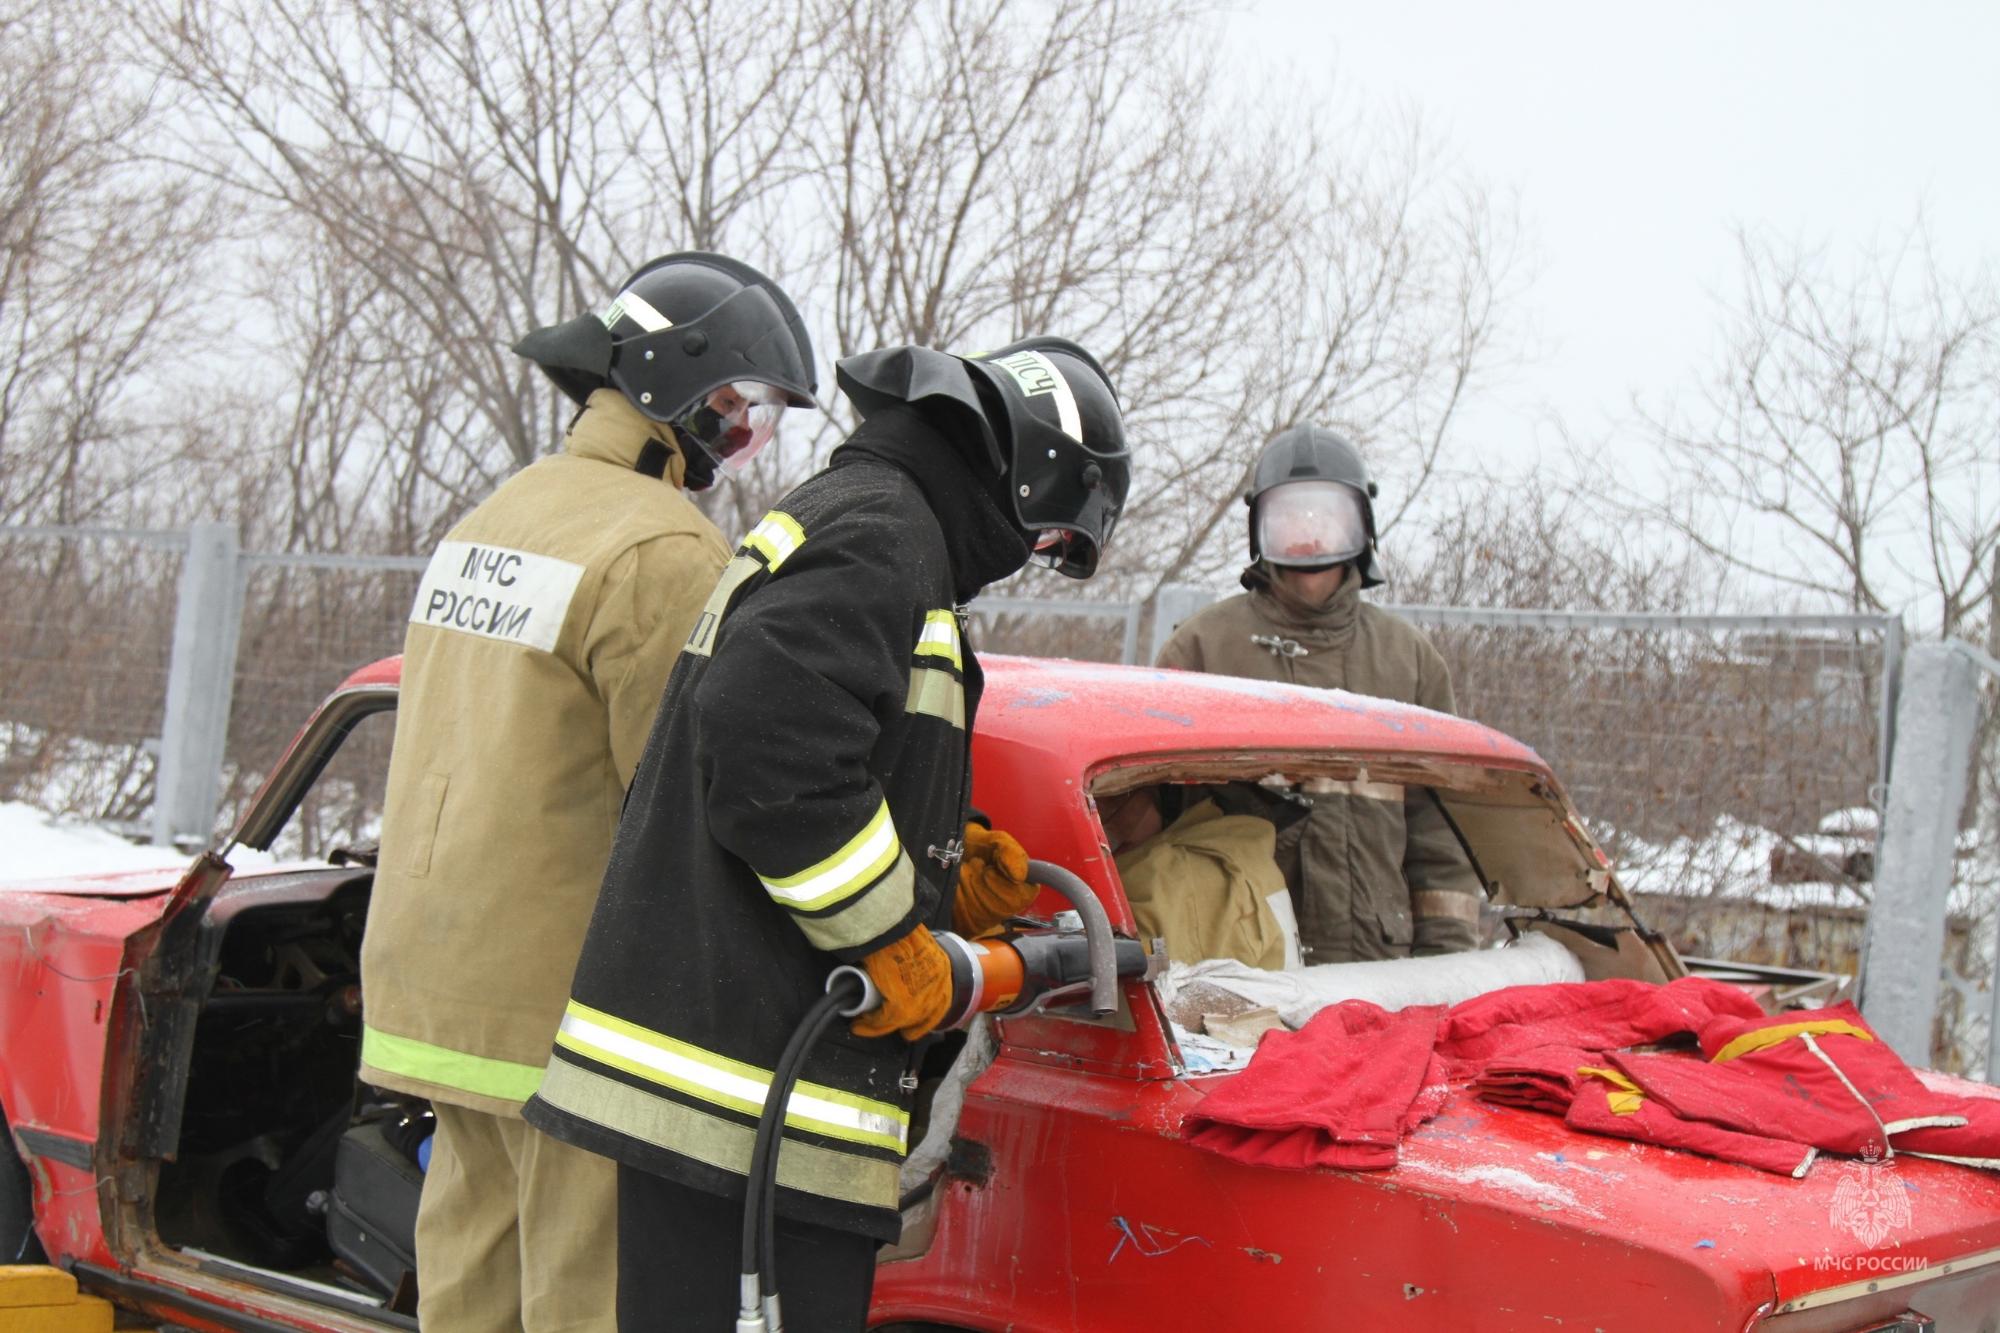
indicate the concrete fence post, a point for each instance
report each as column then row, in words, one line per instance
column 201, row 676
column 1937, row 714
column 1172, row 604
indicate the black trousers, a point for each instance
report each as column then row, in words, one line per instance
column 680, row 1259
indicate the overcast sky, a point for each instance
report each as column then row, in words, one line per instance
column 1637, row 137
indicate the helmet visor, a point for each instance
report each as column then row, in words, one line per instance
column 1072, row 550
column 1305, row 523
column 733, row 422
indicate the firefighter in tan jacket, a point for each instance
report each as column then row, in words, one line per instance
column 539, row 646
column 1206, row 883
column 1375, row 871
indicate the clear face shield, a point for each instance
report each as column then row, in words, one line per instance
column 733, row 422
column 1311, row 523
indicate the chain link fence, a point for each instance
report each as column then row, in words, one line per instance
column 1734, row 766
column 86, row 632
column 1731, row 765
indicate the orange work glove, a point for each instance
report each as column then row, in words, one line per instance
column 992, row 882
column 914, row 976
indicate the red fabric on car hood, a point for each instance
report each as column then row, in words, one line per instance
column 1345, row 1088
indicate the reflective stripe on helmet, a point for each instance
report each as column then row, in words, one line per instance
column 1037, row 375
column 741, row 1087
column 724, row 1144
column 448, row 1068
column 940, row 638
column 630, row 305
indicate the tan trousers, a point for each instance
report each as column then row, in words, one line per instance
column 516, row 1232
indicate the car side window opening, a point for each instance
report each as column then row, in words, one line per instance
column 1201, row 853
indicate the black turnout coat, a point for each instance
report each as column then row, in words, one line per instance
column 799, row 804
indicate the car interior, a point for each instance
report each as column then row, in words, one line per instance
column 1552, row 911
column 288, row 1173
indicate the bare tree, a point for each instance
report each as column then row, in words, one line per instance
column 1236, row 267
column 951, row 174
column 1549, row 546
column 95, row 262
column 470, row 169
column 1846, row 447
column 1381, row 314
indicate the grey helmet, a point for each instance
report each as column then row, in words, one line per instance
column 1340, row 492
column 700, row 342
column 1048, row 424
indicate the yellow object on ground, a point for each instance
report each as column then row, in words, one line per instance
column 35, row 1284
column 35, row 1298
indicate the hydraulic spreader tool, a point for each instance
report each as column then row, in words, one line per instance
column 1006, row 975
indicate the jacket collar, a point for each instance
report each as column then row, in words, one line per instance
column 1332, row 624
column 611, row 430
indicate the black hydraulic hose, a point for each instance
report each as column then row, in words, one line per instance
column 760, row 1225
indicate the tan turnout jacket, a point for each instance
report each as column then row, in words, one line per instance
column 538, row 648
column 1375, row 873
column 1204, row 885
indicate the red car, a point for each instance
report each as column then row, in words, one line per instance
column 180, row 1056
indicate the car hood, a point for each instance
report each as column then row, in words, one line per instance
column 1748, row 1230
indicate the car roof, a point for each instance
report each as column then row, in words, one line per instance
column 1086, row 713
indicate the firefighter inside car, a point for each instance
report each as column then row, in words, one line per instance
column 538, row 647
column 802, row 803
column 1207, row 882
column 1375, row 871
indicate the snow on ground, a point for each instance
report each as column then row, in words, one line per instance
column 35, row 846
column 38, row 846
column 1732, row 860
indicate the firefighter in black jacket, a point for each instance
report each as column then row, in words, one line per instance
column 802, row 803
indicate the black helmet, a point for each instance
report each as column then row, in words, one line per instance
column 701, row 342
column 1311, row 483
column 1049, row 424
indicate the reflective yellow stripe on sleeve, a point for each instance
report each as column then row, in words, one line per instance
column 936, row 694
column 865, row 915
column 448, row 1068
column 739, row 570
column 776, row 536
column 717, row 1079
column 940, row 638
column 859, row 863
